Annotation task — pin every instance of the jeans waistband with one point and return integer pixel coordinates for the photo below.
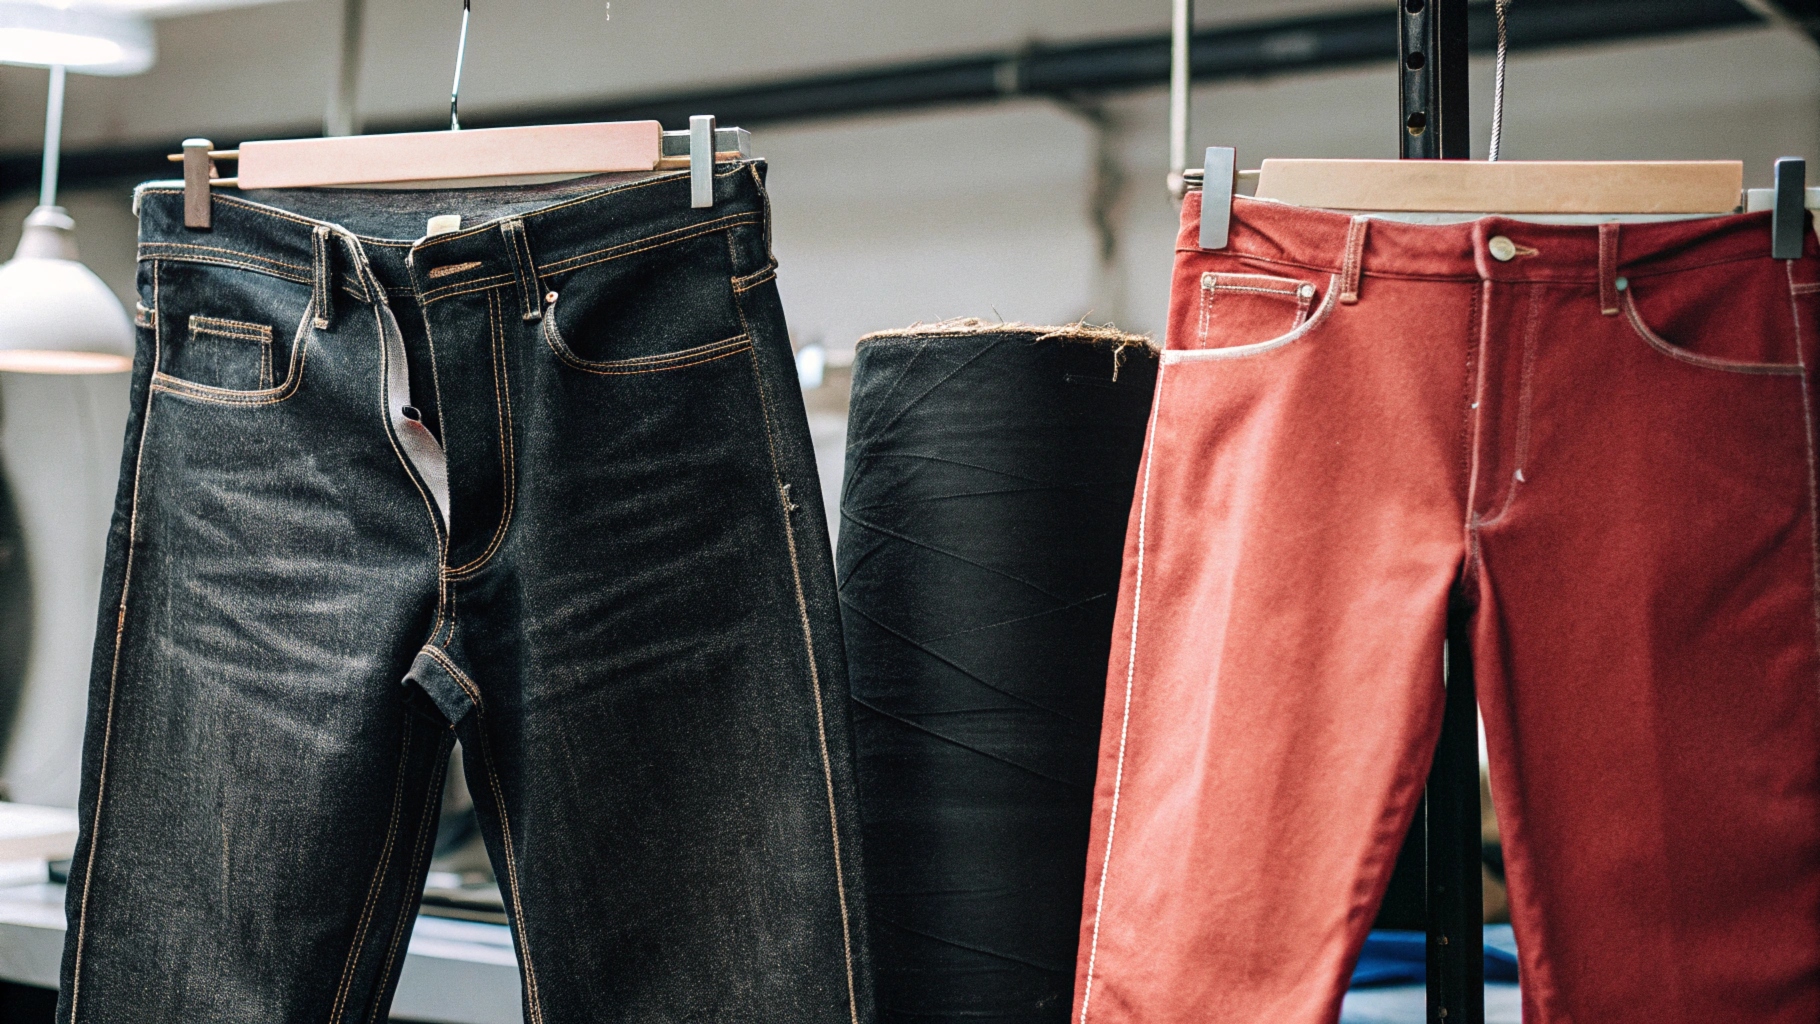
(1318, 240)
(543, 230)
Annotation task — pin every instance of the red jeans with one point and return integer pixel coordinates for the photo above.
(1599, 440)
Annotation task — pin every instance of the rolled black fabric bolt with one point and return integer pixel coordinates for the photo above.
(990, 471)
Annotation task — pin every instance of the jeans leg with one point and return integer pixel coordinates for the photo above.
(257, 787)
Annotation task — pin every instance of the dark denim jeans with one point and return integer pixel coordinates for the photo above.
(543, 484)
(989, 478)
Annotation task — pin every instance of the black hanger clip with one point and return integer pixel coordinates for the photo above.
(1791, 209)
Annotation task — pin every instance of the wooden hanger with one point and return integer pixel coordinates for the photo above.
(454, 159)
(1606, 188)
(1434, 44)
(457, 158)
(1508, 186)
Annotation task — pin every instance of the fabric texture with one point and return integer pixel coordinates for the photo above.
(990, 470)
(543, 483)
(1621, 501)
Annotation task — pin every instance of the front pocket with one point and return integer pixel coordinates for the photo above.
(636, 364)
(1737, 317)
(658, 309)
(1244, 315)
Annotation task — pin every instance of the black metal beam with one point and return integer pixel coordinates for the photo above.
(1456, 936)
(1056, 71)
(1434, 122)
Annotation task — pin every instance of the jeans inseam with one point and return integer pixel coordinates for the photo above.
(407, 907)
(533, 1004)
(377, 885)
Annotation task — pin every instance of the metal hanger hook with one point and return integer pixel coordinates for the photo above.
(1497, 87)
(461, 52)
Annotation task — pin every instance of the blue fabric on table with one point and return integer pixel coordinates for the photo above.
(1401, 958)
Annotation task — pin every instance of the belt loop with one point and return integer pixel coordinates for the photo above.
(1608, 268)
(322, 277)
(1354, 267)
(523, 267)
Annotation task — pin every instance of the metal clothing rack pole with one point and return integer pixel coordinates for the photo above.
(1435, 124)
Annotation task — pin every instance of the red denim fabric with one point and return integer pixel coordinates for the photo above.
(1624, 502)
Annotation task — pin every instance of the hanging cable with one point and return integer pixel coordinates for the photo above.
(53, 139)
(1497, 88)
(461, 51)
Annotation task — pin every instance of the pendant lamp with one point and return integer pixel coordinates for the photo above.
(47, 33)
(56, 316)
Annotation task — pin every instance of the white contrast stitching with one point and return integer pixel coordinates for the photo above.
(1672, 350)
(113, 678)
(1173, 355)
(1118, 777)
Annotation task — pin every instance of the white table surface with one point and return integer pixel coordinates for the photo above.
(455, 972)
(464, 972)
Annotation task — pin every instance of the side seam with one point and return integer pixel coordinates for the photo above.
(815, 683)
(113, 679)
(1118, 778)
(1807, 444)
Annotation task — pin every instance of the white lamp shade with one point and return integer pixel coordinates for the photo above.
(55, 315)
(85, 39)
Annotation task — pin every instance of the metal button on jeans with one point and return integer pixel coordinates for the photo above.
(1502, 249)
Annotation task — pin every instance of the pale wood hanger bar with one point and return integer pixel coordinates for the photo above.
(1591, 188)
(473, 153)
(473, 156)
(1507, 186)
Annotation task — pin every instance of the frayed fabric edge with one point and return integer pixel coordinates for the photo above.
(1080, 330)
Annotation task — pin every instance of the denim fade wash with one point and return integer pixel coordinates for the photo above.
(543, 484)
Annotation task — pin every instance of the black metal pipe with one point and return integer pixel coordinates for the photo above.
(1047, 70)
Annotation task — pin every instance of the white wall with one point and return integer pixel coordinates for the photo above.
(880, 221)
(273, 64)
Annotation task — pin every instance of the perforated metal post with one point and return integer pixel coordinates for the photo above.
(1456, 888)
(1435, 123)
(1435, 119)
